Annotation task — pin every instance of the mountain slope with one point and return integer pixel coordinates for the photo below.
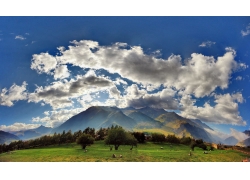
(151, 112)
(43, 130)
(183, 127)
(137, 119)
(231, 141)
(32, 133)
(197, 121)
(6, 137)
(142, 120)
(97, 117)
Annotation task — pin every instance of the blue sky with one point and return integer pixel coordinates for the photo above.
(55, 67)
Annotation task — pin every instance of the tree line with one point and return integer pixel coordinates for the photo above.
(112, 136)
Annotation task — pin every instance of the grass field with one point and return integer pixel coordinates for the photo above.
(98, 152)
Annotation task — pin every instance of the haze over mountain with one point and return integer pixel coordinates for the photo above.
(32, 133)
(231, 141)
(6, 137)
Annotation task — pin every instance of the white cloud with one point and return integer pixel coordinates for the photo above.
(206, 44)
(199, 74)
(18, 127)
(119, 81)
(61, 72)
(20, 37)
(60, 94)
(57, 117)
(224, 112)
(247, 31)
(15, 93)
(114, 93)
(140, 98)
(43, 63)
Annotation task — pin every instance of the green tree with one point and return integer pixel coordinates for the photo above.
(101, 133)
(90, 131)
(139, 136)
(130, 140)
(172, 139)
(193, 145)
(118, 136)
(85, 140)
(158, 137)
(185, 140)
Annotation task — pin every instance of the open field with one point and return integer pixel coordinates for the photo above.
(98, 152)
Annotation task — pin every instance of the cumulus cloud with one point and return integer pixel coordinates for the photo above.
(18, 127)
(60, 93)
(225, 110)
(14, 93)
(57, 117)
(61, 72)
(43, 63)
(140, 98)
(20, 37)
(206, 44)
(114, 93)
(119, 81)
(247, 31)
(199, 74)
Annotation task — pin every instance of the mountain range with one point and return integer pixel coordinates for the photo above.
(6, 138)
(145, 119)
(32, 133)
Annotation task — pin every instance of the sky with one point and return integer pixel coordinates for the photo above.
(55, 67)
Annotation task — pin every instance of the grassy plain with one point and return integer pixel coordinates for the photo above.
(99, 152)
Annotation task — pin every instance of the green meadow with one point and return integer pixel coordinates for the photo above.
(99, 152)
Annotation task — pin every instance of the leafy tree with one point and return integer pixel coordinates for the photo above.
(118, 136)
(130, 140)
(139, 136)
(199, 141)
(158, 137)
(69, 137)
(193, 145)
(185, 140)
(1, 148)
(172, 139)
(90, 131)
(202, 146)
(85, 140)
(101, 133)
